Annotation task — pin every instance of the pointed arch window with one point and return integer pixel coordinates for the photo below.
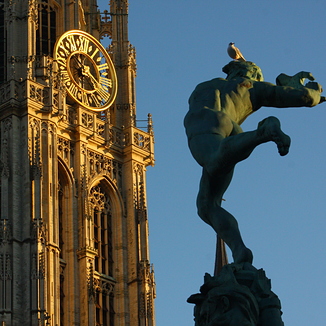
(101, 208)
(63, 208)
(46, 32)
(102, 221)
(61, 244)
(104, 309)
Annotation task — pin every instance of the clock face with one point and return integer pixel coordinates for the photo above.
(86, 70)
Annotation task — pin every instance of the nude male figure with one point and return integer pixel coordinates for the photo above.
(217, 108)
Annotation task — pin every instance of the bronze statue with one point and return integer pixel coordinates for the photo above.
(217, 108)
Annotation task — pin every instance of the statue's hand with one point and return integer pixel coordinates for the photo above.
(302, 75)
(318, 88)
(314, 85)
(295, 81)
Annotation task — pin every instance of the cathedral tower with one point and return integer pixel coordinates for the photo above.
(73, 224)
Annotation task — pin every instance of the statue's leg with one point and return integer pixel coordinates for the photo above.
(225, 225)
(218, 156)
(236, 148)
(269, 129)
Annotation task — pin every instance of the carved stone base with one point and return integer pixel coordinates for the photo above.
(240, 295)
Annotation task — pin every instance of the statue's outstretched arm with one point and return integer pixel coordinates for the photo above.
(270, 95)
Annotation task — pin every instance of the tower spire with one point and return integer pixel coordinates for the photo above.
(124, 58)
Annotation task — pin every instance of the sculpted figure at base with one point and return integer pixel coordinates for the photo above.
(217, 108)
(240, 295)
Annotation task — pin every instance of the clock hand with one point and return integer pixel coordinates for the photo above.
(86, 83)
(91, 77)
(80, 64)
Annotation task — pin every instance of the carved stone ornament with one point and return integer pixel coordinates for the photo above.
(98, 283)
(99, 164)
(11, 13)
(65, 149)
(5, 231)
(239, 295)
(5, 267)
(106, 25)
(34, 148)
(32, 11)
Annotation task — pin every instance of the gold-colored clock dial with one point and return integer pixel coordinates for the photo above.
(86, 70)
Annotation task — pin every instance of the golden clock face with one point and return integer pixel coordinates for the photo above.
(86, 70)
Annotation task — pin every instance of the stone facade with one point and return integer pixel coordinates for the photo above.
(73, 225)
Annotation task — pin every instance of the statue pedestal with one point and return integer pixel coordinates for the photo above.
(240, 295)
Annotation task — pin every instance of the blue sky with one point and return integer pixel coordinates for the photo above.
(279, 202)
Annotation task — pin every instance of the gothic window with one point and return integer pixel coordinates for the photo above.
(2, 45)
(104, 309)
(102, 226)
(101, 208)
(111, 310)
(60, 213)
(64, 197)
(46, 32)
(62, 297)
(61, 245)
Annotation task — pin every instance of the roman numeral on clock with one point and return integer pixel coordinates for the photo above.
(106, 82)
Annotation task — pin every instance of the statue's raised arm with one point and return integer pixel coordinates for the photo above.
(289, 91)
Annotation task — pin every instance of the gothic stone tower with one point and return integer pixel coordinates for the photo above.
(73, 227)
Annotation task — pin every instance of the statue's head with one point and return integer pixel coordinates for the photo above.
(244, 69)
(224, 302)
(226, 306)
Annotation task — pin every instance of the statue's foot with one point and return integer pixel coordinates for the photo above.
(242, 255)
(270, 130)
